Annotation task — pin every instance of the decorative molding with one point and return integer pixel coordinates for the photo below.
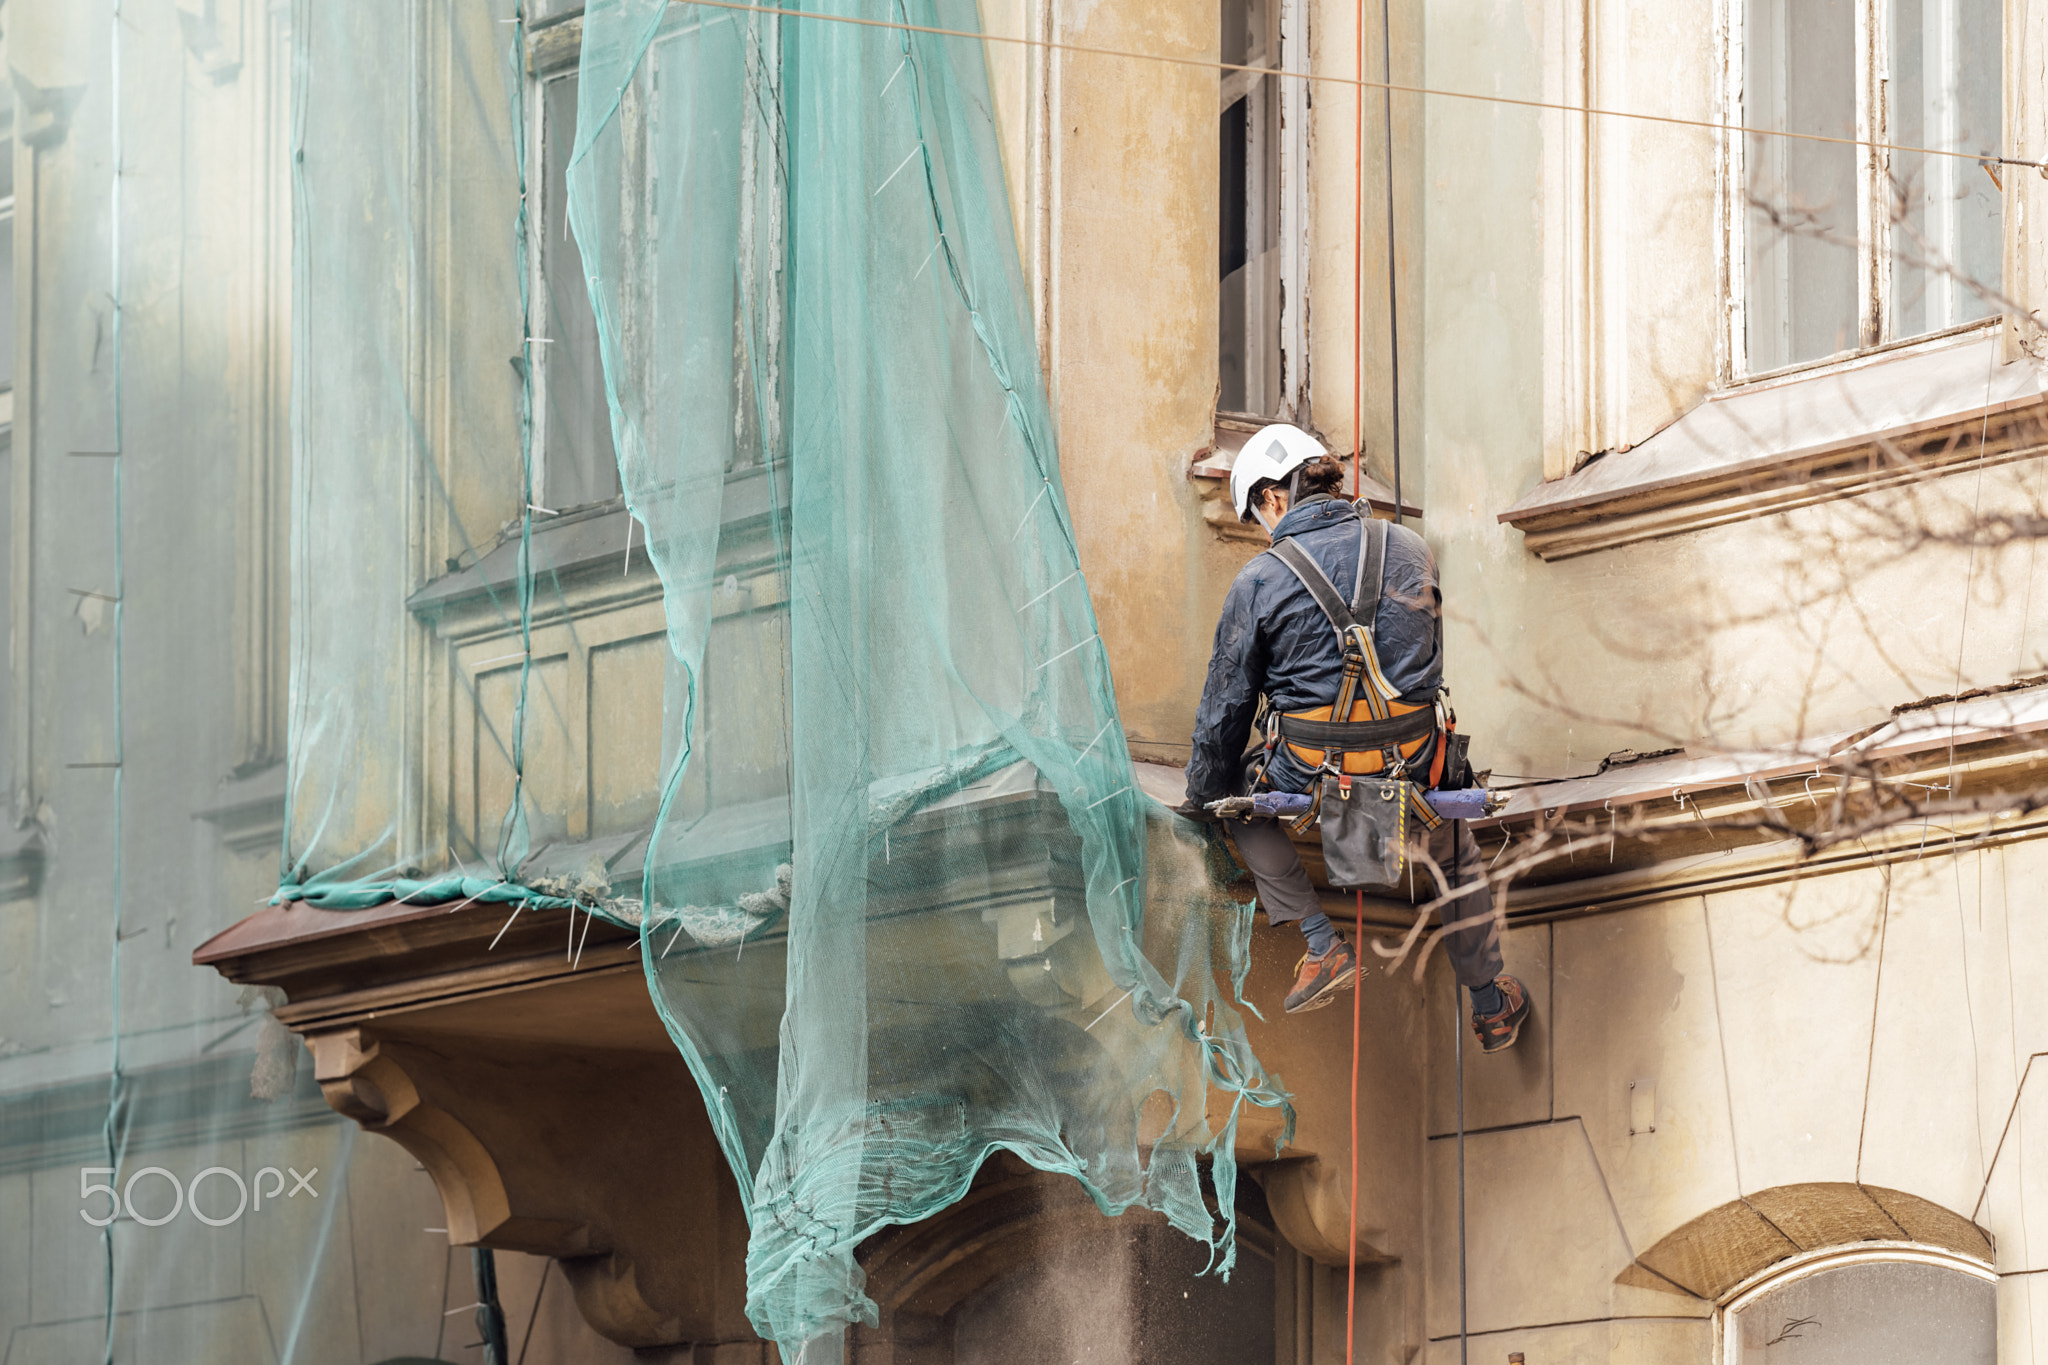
(262, 517)
(249, 811)
(1716, 1254)
(1885, 421)
(539, 1090)
(53, 1121)
(514, 1182)
(1210, 473)
(609, 1296)
(366, 1081)
(1984, 744)
(213, 34)
(46, 112)
(551, 47)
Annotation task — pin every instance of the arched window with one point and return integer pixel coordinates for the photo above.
(1871, 1304)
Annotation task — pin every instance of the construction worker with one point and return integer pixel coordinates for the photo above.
(1274, 641)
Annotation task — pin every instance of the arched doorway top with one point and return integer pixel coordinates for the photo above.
(1724, 1248)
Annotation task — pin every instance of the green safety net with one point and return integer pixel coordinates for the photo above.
(409, 395)
(173, 1187)
(898, 906)
(734, 297)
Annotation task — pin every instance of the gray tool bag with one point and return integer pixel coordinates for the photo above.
(1369, 818)
(1369, 824)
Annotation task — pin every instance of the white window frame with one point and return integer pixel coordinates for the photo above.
(554, 54)
(1728, 1344)
(1873, 216)
(1294, 255)
(1289, 349)
(537, 208)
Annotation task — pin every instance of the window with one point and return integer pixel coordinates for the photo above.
(1891, 1306)
(1262, 197)
(572, 427)
(1847, 246)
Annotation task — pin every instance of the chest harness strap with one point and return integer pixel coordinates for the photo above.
(1369, 730)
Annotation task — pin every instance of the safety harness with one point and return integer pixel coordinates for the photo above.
(1369, 730)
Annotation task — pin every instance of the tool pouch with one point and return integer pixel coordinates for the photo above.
(1367, 823)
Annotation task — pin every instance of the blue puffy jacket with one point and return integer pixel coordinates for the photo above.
(1272, 638)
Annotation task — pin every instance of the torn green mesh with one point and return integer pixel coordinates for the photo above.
(800, 251)
(902, 902)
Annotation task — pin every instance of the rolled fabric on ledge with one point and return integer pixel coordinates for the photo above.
(1468, 803)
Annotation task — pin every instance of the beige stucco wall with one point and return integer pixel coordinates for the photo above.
(1872, 1025)
(1563, 291)
(1868, 1027)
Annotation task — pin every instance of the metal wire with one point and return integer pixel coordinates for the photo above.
(111, 1138)
(1360, 82)
(1458, 1047)
(1351, 1241)
(1393, 294)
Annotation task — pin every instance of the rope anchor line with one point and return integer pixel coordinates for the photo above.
(1359, 83)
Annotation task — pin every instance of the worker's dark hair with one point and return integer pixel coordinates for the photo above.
(1322, 475)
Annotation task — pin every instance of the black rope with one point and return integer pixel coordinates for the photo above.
(1393, 297)
(490, 1314)
(1458, 1044)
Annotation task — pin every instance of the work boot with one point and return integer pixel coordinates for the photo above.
(1497, 1032)
(1318, 979)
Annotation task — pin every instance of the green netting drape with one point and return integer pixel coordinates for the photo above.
(154, 1118)
(898, 907)
(412, 376)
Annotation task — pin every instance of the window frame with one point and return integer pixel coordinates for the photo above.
(1289, 204)
(1728, 1344)
(1872, 213)
(553, 54)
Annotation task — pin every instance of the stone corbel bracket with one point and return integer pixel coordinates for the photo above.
(539, 1091)
(391, 1088)
(366, 1081)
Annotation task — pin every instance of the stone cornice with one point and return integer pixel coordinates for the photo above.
(1877, 423)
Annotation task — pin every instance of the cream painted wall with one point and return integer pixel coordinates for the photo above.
(1562, 292)
(1868, 1027)
(1131, 324)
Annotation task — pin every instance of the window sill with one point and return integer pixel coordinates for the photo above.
(590, 541)
(1210, 472)
(1869, 355)
(554, 45)
(577, 542)
(1792, 442)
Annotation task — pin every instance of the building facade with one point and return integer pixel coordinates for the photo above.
(1727, 443)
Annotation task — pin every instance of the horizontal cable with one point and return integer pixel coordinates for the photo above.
(1359, 83)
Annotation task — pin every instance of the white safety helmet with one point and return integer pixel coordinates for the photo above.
(1274, 452)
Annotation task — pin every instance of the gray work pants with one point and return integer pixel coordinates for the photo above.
(1288, 896)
